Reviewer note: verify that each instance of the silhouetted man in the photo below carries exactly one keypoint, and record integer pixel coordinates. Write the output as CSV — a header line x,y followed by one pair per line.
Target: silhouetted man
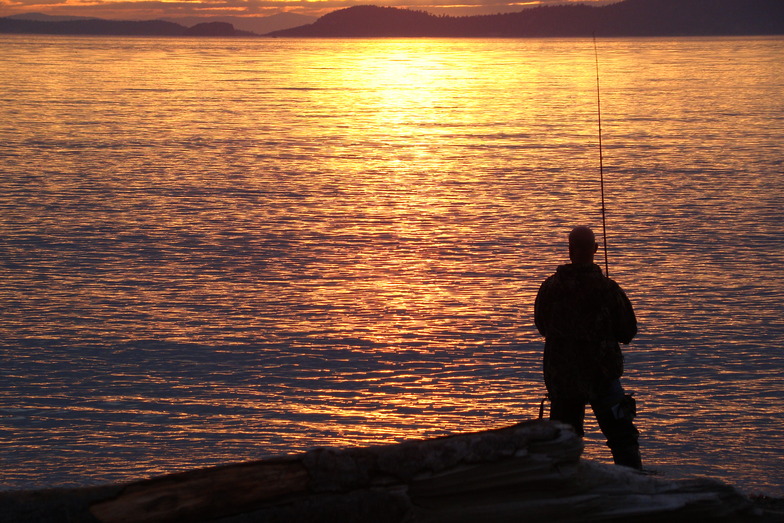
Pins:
x,y
583,316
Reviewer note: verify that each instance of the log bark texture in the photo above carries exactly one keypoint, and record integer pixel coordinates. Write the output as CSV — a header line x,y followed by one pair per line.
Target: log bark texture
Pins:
x,y
527,472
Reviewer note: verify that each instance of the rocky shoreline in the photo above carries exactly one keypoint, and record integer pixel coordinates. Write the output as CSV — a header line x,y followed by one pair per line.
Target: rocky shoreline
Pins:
x,y
527,472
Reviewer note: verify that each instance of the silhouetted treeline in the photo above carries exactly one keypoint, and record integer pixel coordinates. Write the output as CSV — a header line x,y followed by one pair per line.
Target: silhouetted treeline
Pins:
x,y
97,26
627,18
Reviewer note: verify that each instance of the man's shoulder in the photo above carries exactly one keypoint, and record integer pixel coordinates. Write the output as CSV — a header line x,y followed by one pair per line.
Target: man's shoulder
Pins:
x,y
550,280
578,272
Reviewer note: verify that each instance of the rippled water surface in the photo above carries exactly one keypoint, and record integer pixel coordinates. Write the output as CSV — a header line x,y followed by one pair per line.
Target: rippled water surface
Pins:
x,y
216,250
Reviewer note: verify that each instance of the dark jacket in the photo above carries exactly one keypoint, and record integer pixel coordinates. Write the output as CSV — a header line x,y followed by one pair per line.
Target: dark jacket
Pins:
x,y
583,316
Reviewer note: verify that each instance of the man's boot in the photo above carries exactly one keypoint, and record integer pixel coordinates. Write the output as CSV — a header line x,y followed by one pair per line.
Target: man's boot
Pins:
x,y
628,456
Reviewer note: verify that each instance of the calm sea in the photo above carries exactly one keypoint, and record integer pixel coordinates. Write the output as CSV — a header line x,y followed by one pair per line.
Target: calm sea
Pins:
x,y
219,250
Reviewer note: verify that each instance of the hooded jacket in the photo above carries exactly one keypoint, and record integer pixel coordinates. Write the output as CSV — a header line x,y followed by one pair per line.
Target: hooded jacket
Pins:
x,y
583,316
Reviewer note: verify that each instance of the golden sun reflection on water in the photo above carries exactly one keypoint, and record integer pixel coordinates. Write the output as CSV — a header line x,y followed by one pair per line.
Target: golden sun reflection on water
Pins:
x,y
239,248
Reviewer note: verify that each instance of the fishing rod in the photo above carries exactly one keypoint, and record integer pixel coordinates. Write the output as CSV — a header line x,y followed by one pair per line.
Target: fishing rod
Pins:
x,y
601,158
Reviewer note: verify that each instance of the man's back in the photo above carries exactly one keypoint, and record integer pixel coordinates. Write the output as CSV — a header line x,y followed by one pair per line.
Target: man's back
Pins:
x,y
579,303
583,316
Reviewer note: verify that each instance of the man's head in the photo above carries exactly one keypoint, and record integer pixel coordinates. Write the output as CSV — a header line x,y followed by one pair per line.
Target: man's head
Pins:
x,y
582,245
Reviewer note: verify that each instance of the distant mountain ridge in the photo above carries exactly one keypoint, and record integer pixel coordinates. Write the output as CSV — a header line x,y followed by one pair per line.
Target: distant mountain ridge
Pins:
x,y
39,23
93,26
255,24
41,17
622,19
626,18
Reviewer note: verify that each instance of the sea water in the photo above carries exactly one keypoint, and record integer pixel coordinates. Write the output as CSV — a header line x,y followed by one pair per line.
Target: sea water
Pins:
x,y
217,250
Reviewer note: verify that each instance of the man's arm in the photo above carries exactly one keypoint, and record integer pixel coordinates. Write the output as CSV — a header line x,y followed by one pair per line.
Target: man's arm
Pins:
x,y
540,308
625,325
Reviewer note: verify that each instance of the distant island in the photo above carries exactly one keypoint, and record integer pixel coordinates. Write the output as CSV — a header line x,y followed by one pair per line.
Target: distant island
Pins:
x,y
628,18
623,19
38,23
100,27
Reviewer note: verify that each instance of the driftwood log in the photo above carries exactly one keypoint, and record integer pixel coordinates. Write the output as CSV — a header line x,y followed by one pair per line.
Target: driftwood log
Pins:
x,y
529,472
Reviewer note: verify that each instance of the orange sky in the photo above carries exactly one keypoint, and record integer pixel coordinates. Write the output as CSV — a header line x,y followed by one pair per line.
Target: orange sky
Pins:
x,y
151,9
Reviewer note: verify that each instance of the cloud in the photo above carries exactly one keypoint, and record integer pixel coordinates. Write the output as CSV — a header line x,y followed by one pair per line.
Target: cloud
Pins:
x,y
151,9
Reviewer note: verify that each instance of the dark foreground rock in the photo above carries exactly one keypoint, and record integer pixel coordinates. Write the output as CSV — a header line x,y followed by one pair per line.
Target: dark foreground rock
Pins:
x,y
528,472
